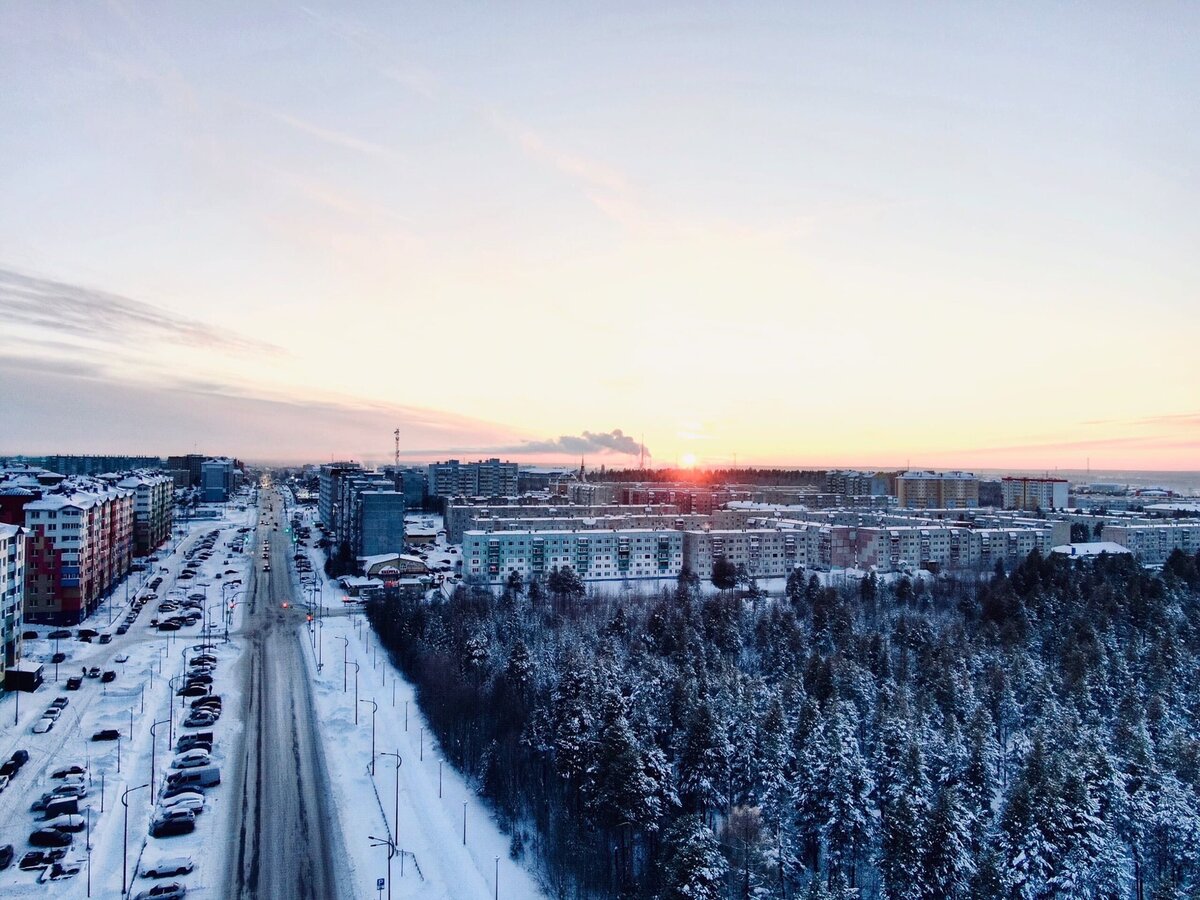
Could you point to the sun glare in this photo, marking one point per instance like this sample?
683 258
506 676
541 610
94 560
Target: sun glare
688 460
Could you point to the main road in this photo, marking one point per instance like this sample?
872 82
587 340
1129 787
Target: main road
287 840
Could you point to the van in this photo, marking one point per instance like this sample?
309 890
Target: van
62 806
204 776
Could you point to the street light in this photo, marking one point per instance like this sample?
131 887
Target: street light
396 811
356 668
345 654
153 741
392 850
374 709
125 837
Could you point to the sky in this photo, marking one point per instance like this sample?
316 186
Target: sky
943 234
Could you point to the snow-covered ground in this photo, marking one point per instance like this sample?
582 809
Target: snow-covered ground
432 795
140 695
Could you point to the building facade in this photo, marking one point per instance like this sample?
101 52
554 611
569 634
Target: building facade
1153 543
378 518
12 595
217 480
485 478
153 508
1034 493
944 490
595 555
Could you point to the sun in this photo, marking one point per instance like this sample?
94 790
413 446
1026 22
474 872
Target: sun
688 460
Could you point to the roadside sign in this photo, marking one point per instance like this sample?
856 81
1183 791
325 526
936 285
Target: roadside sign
379 882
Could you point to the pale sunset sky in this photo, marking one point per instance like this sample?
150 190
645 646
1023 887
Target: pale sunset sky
956 234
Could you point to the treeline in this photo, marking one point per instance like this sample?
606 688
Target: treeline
1034 736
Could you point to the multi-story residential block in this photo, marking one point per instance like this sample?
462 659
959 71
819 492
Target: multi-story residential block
94 464
485 478
1034 493
595 555
760 552
80 543
462 517
951 490
191 465
217 480
378 518
329 492
12 595
1153 543
153 508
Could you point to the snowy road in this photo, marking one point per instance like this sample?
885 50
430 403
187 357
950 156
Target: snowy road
286 839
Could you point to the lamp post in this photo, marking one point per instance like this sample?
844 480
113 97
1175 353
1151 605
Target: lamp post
374 709
356 668
125 837
396 810
391 849
153 741
345 655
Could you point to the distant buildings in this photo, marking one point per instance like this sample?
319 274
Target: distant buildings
12 594
1034 493
362 511
1153 543
486 478
217 480
944 490
92 464
594 555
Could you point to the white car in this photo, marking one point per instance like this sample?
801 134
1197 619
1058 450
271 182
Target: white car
121 659
172 865
191 759
168 802
43 725
70 822
184 801
3 782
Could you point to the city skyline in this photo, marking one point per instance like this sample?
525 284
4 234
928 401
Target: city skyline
960 238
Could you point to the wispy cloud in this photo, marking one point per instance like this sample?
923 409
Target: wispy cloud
331 136
88 313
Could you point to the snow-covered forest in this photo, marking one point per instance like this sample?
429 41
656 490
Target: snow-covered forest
1032 735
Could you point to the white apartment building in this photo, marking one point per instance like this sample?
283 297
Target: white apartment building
1034 493
12 594
595 554
1152 544
153 508
485 478
938 490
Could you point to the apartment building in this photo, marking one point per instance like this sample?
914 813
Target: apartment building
378 522
217 480
153 508
1034 493
329 492
761 552
12 595
485 478
595 555
79 545
946 490
463 517
1153 543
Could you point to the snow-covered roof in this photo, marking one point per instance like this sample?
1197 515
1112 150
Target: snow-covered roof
1089 548
8 531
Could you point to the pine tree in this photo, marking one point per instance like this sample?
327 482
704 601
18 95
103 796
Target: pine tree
694 868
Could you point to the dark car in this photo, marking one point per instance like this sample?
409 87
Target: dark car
172 827
94 672
39 859
105 638
68 770
213 700
199 679
121 629
74 683
193 690
88 632
6 856
50 837
29 635
108 676
174 790
61 634
58 658
9 769
107 734
200 720
168 625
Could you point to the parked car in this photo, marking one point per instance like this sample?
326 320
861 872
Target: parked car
42 725
6 856
63 870
88 632
172 890
108 676
121 658
177 790
192 690
20 757
74 683
169 625
190 759
122 628
107 734
60 635
3 783
61 702
192 804
171 865
170 825
199 678
52 712
9 769
68 823
58 658
67 771
50 837
106 638
29 635
39 859
211 700
200 720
